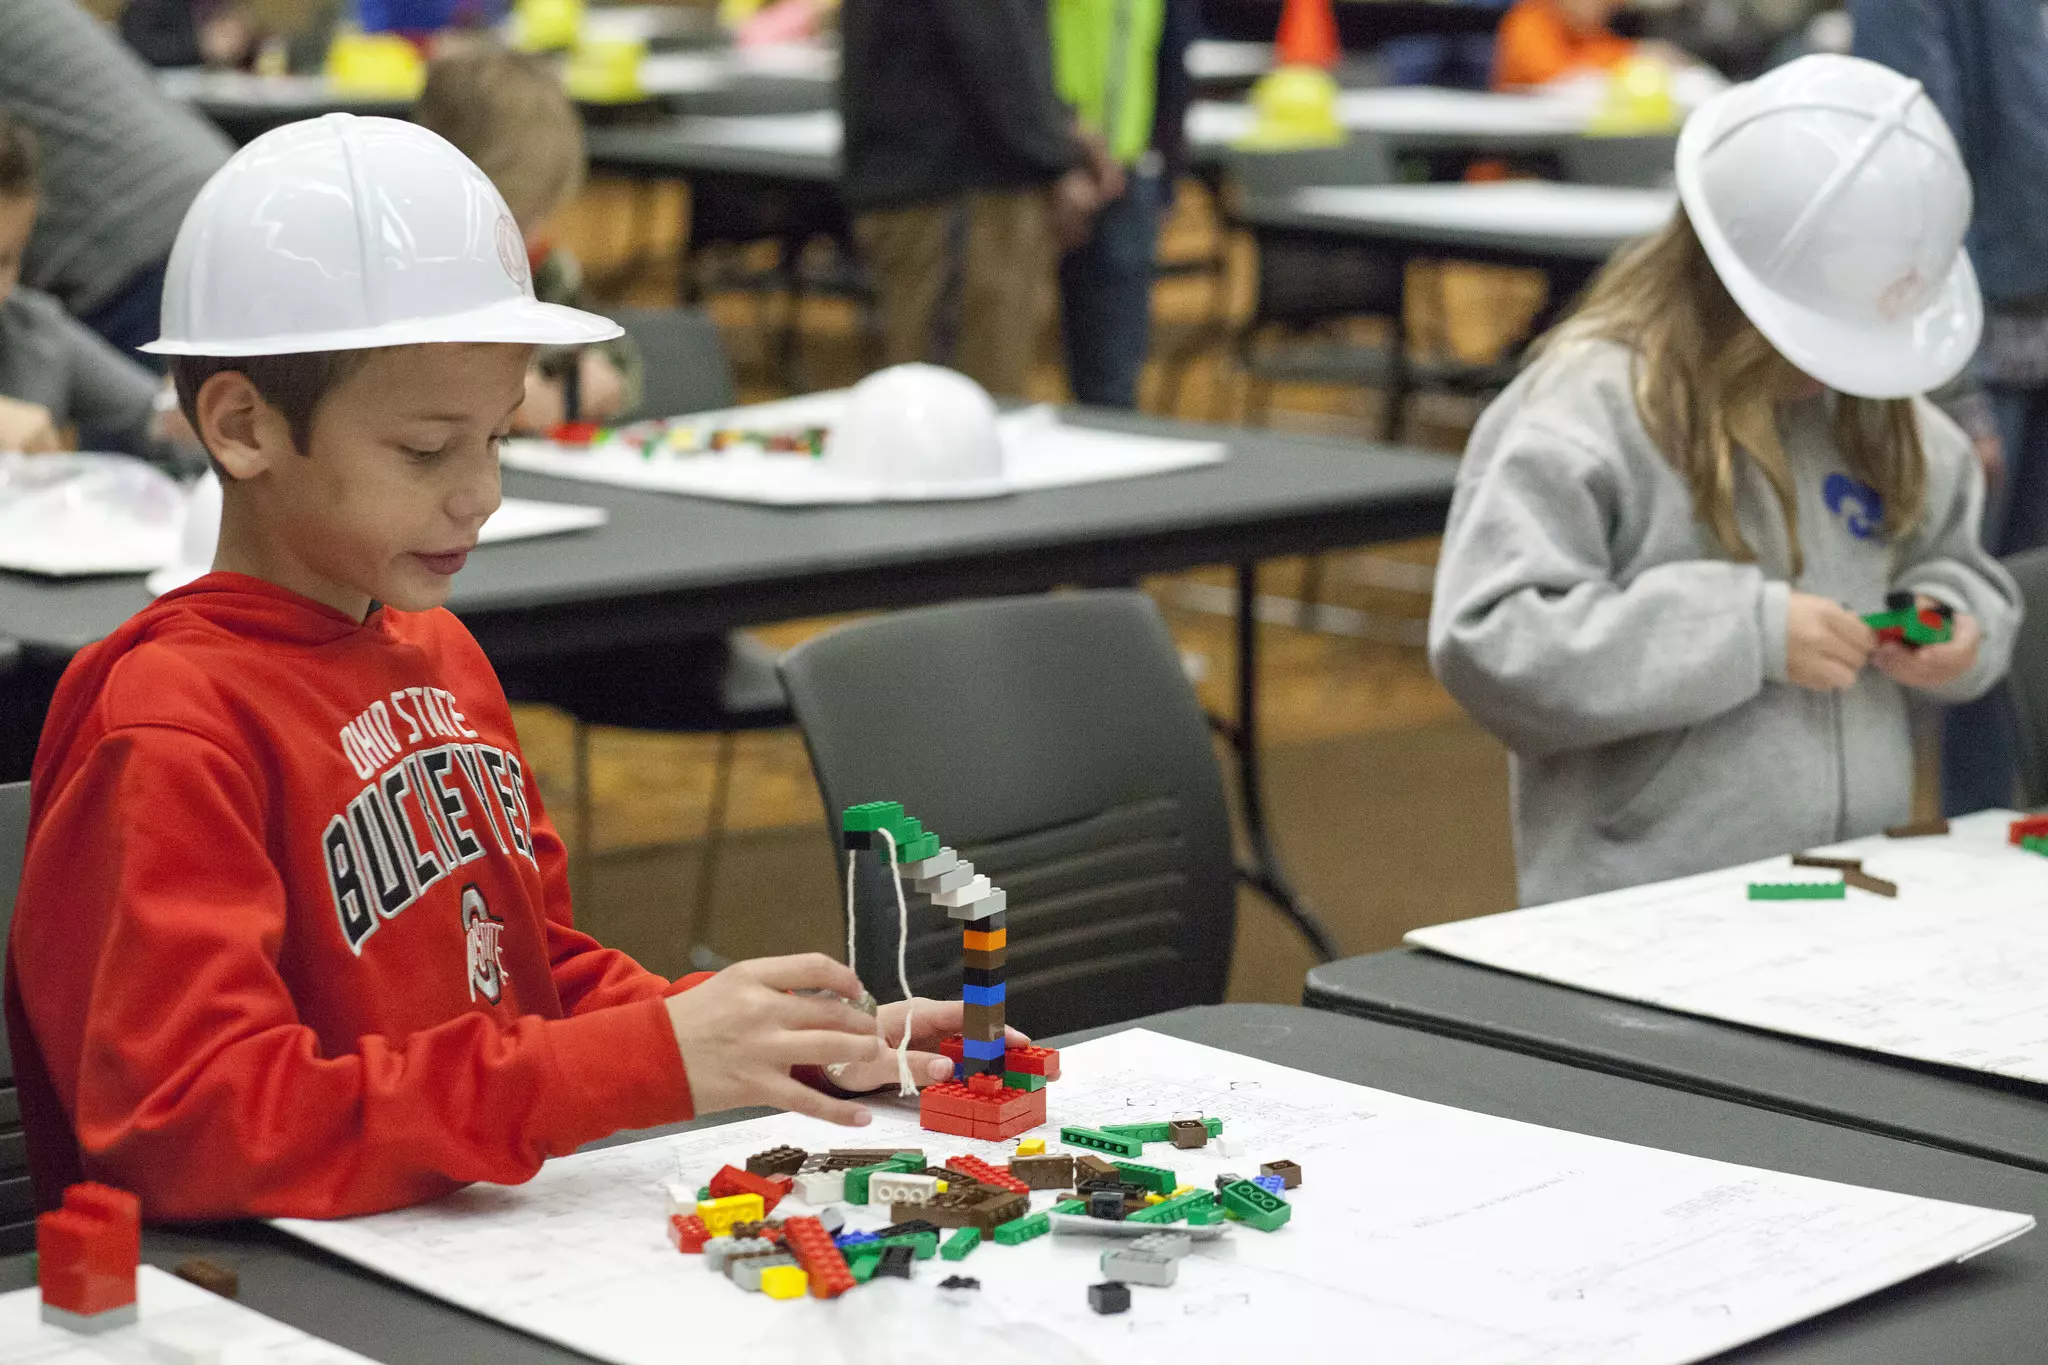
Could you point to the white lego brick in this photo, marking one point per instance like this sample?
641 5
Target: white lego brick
678 1199
195 1341
994 903
819 1188
1171 1245
893 1187
954 877
747 1274
832 1220
945 860
965 895
1139 1267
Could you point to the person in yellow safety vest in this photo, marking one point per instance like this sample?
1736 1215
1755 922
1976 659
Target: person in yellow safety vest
1121 65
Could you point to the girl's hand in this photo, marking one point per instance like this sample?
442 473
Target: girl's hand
544 409
1826 644
742 1031
930 1022
600 388
1931 666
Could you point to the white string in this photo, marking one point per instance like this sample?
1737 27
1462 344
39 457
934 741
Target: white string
850 855
905 1083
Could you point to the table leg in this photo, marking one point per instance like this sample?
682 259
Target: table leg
1263 871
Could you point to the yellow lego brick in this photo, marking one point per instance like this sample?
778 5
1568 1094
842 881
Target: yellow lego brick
784 1281
720 1214
1031 1147
1155 1199
1185 1189
942 1187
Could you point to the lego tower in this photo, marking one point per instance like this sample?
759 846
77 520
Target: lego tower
997 1091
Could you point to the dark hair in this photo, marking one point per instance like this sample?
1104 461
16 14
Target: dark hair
293 384
18 159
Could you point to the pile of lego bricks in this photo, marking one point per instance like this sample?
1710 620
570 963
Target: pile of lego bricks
1102 1191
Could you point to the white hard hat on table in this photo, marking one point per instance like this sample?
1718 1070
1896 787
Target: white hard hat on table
1832 201
341 233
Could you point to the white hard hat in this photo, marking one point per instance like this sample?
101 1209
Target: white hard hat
340 233
917 427
1831 199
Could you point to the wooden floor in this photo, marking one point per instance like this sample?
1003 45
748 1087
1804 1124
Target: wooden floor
1389 805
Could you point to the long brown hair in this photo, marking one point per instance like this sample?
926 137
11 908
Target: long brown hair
1707 384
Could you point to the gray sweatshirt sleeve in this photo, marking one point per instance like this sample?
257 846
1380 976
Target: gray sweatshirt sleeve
112 398
1532 633
1944 558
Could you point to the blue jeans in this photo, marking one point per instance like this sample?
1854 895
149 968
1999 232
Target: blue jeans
1977 738
1106 297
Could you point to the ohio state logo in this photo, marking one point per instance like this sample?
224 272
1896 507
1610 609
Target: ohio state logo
480 931
512 250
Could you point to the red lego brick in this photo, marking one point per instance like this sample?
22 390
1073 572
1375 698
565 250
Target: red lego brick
974 1168
688 1233
958 1125
2031 827
950 1097
989 1086
1033 1061
574 433
731 1180
820 1257
953 1049
87 1251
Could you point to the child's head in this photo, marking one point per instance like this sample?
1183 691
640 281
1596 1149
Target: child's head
1824 206
350 317
1589 15
17 198
507 112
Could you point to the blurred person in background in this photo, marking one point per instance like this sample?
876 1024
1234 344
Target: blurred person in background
1984 64
120 165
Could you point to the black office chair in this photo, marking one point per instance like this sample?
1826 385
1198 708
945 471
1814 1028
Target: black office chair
1056 743
2027 680
17 1197
719 685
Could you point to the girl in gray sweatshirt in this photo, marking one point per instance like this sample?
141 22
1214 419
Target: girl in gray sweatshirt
1662 541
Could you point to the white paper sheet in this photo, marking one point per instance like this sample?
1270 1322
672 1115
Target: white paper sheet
1954 971
1420 1234
166 1306
1039 451
1520 208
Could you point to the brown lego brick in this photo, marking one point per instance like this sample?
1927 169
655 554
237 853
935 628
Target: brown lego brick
1863 881
777 1161
1188 1134
970 1206
1918 829
1093 1167
1288 1171
846 1158
210 1277
982 1023
1044 1172
985 960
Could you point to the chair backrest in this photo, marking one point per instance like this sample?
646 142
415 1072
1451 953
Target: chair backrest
1360 160
1647 161
1305 278
17 1198
1056 743
685 365
2028 677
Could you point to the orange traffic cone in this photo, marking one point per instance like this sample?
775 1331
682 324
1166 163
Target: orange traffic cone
1308 35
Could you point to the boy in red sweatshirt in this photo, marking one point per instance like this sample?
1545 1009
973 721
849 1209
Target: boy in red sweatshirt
293 936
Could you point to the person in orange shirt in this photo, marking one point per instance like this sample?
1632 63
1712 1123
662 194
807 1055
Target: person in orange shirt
1541 41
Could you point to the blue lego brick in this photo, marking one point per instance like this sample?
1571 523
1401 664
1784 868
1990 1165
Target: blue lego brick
853 1239
985 1052
983 995
1271 1184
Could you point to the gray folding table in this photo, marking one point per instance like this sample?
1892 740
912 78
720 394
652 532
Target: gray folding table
1991 1310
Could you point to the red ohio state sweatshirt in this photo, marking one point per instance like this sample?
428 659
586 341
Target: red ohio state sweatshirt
293 937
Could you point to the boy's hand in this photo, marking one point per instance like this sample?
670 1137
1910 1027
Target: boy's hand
1931 666
600 388
27 427
741 1032
930 1022
1826 644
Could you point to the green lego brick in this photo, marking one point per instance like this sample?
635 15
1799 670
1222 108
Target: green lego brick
1020 1230
2035 843
905 1163
1248 1203
856 1186
1018 1080
703 1192
863 1267
905 832
924 1244
1071 1206
1798 891
1143 1132
1919 633
1095 1140
1157 1179
1202 1212
960 1243
1885 620
1171 1210
870 815
1215 1127
918 849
